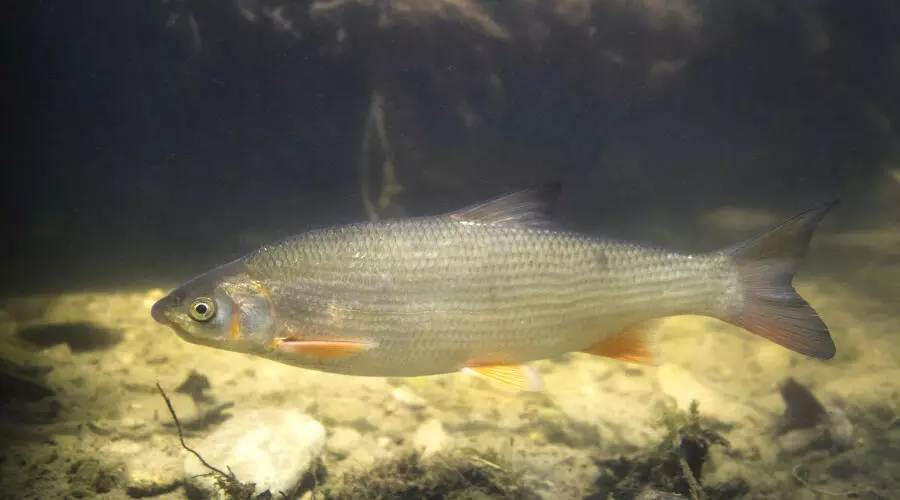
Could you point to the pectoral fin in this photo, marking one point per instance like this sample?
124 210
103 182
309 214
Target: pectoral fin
321 348
634 344
521 377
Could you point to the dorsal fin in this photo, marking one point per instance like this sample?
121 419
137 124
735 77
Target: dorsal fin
529 208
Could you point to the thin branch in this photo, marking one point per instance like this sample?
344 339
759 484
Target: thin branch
184 445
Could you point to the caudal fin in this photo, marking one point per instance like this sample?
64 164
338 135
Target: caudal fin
769 305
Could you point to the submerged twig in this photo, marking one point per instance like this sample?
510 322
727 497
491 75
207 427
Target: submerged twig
228 482
181 437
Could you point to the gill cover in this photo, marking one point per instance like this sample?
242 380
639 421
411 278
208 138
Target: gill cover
252 314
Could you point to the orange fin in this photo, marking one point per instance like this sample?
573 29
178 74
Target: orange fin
633 345
322 348
521 377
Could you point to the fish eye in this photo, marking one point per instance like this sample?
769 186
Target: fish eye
202 309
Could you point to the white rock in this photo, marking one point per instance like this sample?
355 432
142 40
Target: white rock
430 437
343 441
269 447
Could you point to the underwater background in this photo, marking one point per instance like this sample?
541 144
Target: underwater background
150 141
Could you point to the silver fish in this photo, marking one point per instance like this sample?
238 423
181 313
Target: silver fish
486 289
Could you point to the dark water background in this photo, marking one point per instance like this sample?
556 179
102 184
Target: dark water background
147 141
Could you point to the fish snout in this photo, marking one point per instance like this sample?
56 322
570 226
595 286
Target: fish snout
158 311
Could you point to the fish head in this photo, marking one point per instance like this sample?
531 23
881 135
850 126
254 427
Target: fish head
224 308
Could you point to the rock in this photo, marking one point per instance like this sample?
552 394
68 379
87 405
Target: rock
271 448
89 476
343 441
800 441
650 494
840 430
151 473
58 354
21 382
409 398
809 424
801 408
346 411
360 458
430 437
845 467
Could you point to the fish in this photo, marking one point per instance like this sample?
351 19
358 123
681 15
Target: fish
487 289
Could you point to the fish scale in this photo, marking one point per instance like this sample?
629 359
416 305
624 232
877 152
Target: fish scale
524 291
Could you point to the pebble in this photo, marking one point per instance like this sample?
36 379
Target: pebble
345 411
271 448
840 430
409 398
343 441
57 354
800 441
650 494
360 458
430 437
151 473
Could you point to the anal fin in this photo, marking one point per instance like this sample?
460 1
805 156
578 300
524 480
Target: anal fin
634 344
520 377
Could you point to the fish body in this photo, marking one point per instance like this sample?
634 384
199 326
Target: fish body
487 288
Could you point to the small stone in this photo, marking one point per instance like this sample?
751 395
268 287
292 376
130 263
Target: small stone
650 494
844 468
397 426
800 441
360 458
409 398
122 447
343 441
840 428
152 473
430 437
59 353
91 474
273 449
345 411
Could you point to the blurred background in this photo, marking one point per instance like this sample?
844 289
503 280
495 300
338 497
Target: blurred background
148 141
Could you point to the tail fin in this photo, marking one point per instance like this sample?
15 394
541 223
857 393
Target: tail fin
770 307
